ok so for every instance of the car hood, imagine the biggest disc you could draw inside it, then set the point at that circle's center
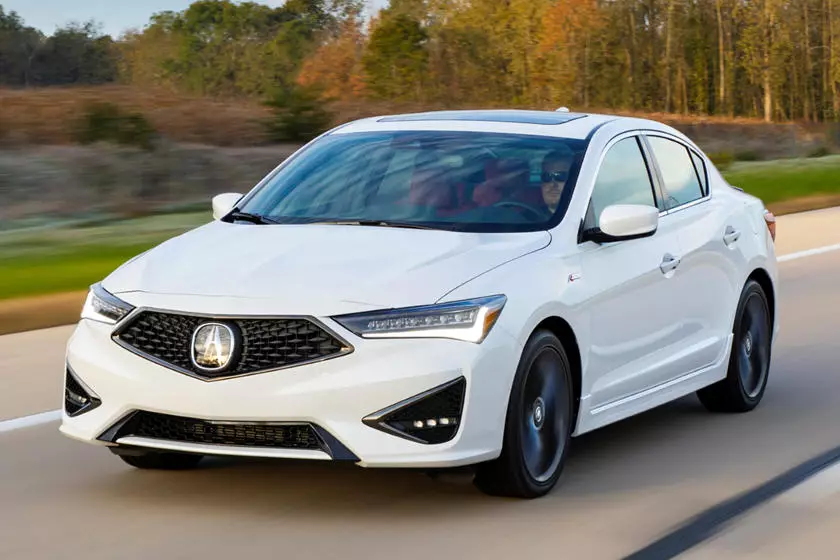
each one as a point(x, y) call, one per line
point(317, 269)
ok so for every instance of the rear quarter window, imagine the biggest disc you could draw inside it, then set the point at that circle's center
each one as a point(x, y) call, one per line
point(702, 174)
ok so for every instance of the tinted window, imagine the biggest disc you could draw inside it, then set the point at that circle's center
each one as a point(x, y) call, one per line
point(622, 179)
point(678, 172)
point(464, 181)
point(700, 166)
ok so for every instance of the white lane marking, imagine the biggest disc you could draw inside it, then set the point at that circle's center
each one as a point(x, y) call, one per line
point(29, 421)
point(808, 253)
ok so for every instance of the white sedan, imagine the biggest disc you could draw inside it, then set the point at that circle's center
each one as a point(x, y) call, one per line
point(436, 290)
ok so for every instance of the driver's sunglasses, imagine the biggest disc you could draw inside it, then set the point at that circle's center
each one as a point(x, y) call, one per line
point(555, 177)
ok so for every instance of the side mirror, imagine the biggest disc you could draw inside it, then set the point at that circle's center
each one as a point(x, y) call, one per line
point(621, 222)
point(224, 203)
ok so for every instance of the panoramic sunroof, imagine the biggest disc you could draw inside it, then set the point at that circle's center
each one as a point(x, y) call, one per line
point(523, 117)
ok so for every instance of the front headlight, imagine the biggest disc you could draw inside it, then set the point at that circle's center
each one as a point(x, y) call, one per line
point(104, 307)
point(470, 320)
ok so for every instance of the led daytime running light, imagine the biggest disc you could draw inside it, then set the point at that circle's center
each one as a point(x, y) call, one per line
point(469, 320)
point(411, 322)
point(104, 307)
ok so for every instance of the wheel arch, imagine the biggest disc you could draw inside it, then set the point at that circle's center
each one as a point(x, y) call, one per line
point(564, 332)
point(762, 277)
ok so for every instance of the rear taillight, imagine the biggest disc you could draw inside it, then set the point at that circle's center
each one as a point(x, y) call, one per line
point(770, 220)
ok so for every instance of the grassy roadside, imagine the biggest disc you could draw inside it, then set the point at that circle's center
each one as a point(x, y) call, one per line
point(45, 272)
point(792, 185)
point(48, 261)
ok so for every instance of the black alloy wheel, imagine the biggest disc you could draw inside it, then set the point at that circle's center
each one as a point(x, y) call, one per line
point(749, 362)
point(538, 424)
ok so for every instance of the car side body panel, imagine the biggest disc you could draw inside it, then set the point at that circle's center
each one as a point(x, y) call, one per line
point(605, 292)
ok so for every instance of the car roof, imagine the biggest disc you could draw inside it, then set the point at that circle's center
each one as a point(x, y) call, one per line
point(501, 116)
point(559, 123)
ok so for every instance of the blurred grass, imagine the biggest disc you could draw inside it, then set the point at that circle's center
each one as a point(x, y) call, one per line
point(45, 261)
point(787, 179)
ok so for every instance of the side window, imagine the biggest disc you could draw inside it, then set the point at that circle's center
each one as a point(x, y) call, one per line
point(678, 173)
point(700, 167)
point(622, 179)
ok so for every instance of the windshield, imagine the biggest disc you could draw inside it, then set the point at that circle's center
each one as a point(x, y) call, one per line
point(461, 181)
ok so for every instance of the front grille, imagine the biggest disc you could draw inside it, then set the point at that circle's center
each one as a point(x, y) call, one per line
point(265, 344)
point(242, 434)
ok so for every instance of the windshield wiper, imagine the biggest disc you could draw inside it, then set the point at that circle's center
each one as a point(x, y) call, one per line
point(373, 223)
point(253, 218)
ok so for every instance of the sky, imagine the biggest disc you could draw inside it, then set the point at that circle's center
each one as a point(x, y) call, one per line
point(115, 16)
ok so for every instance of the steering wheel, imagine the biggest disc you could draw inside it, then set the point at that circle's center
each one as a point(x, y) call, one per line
point(535, 214)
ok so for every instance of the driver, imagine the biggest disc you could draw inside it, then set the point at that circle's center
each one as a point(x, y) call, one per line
point(555, 173)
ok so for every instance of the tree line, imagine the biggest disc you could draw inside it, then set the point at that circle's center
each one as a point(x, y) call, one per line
point(773, 59)
point(74, 54)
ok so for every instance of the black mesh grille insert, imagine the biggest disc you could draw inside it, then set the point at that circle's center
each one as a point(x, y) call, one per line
point(265, 343)
point(242, 434)
point(76, 399)
point(445, 403)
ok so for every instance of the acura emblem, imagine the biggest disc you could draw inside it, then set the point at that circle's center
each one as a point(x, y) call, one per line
point(213, 345)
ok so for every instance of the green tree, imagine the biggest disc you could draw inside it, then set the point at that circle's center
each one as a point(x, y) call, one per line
point(396, 58)
point(18, 45)
point(299, 115)
point(75, 54)
point(219, 47)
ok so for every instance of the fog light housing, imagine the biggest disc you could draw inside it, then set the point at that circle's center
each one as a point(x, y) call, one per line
point(432, 417)
point(78, 398)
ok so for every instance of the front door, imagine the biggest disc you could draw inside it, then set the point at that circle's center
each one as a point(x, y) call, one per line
point(632, 303)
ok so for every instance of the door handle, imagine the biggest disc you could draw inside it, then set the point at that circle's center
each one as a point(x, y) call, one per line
point(669, 263)
point(731, 236)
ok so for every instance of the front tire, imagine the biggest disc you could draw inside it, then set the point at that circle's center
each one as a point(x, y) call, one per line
point(162, 461)
point(537, 426)
point(749, 362)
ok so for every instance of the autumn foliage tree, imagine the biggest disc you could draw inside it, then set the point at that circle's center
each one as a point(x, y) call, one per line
point(771, 59)
point(335, 68)
point(568, 51)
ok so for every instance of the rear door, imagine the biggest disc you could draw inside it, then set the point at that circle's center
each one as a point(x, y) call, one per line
point(710, 262)
point(628, 286)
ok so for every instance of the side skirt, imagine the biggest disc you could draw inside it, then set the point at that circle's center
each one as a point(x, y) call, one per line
point(604, 415)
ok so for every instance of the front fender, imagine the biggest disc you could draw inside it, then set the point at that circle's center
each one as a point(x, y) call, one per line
point(538, 286)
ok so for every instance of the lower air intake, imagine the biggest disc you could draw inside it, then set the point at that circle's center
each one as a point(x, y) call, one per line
point(432, 417)
point(241, 434)
point(77, 399)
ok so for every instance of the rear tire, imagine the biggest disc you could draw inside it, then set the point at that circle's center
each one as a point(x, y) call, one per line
point(162, 461)
point(537, 426)
point(749, 362)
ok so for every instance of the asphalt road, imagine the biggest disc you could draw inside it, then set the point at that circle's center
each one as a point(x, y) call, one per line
point(625, 485)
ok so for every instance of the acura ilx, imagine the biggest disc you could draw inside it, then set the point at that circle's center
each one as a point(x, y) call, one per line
point(436, 290)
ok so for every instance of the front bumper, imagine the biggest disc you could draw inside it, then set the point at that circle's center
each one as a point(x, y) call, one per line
point(334, 396)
